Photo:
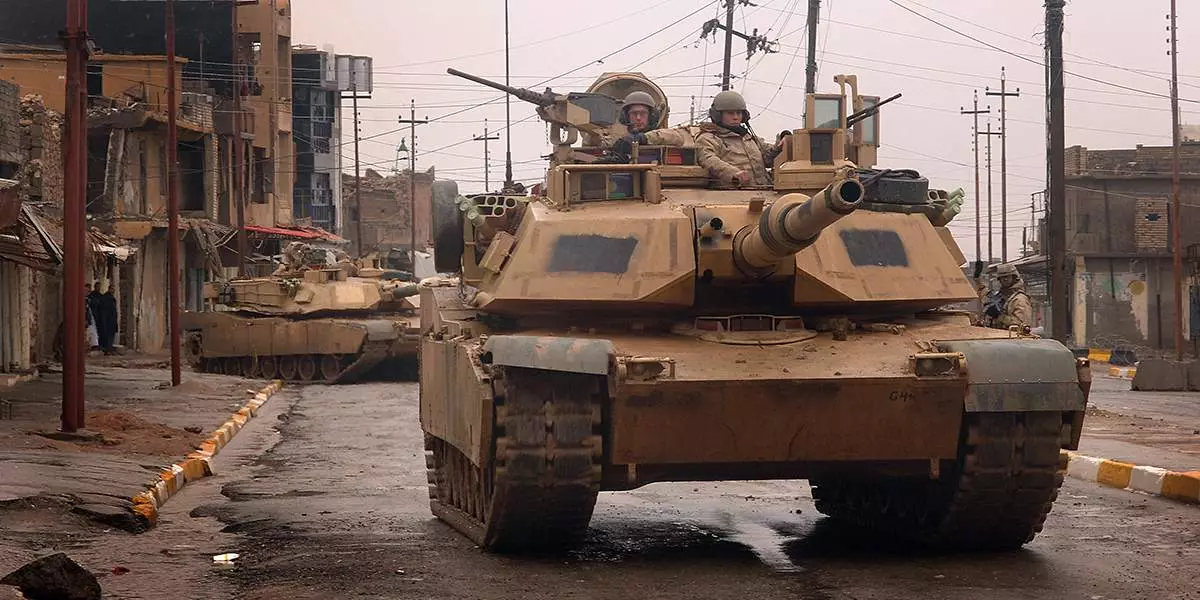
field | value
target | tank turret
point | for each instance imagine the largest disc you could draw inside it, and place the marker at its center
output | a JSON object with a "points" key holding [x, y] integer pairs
{"points": [[318, 317], [792, 223]]}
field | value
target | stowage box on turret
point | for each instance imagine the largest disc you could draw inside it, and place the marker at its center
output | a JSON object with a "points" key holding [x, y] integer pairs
{"points": [[635, 323], [310, 321]]}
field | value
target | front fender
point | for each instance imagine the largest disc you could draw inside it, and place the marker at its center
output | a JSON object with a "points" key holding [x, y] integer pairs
{"points": [[571, 355]]}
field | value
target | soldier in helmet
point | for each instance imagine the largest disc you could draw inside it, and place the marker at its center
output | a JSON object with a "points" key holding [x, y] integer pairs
{"points": [[1012, 305], [638, 113], [729, 149]]}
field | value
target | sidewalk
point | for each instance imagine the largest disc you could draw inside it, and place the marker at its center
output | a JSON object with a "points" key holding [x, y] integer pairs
{"points": [[1161, 429], [143, 425]]}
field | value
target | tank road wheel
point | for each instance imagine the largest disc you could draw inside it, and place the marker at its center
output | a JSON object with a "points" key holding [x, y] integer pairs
{"points": [[250, 367], [287, 367], [331, 367], [997, 497], [268, 367], [538, 492], [231, 365], [307, 367]]}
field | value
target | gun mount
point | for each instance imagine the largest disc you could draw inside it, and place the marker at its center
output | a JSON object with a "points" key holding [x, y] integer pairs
{"points": [[792, 224], [568, 114]]}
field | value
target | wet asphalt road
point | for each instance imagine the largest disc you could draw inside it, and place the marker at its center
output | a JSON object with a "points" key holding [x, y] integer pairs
{"points": [[324, 496]]}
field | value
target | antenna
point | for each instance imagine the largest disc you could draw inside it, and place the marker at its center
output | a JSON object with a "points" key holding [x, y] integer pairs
{"points": [[508, 180]]}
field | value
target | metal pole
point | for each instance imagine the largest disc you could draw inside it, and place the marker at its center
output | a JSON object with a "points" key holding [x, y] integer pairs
{"points": [[729, 4], [1177, 214], [357, 166], [1004, 94], [239, 147], [1056, 191], [814, 15], [508, 176], [173, 196], [74, 240]]}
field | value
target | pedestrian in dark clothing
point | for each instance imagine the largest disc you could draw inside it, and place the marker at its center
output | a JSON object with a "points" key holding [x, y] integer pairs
{"points": [[106, 320]]}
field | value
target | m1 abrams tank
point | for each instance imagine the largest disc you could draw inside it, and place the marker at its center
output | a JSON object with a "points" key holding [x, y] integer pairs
{"points": [[635, 323], [311, 321]]}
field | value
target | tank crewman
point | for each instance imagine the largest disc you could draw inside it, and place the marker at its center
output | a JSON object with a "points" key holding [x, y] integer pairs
{"points": [[640, 116], [1012, 305], [729, 149]]}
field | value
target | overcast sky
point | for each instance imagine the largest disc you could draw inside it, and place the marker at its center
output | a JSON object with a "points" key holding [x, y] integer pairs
{"points": [[890, 49]]}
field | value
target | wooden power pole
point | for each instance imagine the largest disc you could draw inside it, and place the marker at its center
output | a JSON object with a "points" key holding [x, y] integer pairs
{"points": [[1056, 190], [810, 73]]}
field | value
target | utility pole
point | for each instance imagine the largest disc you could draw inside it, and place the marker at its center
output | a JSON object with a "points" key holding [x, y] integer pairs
{"points": [[487, 185], [1177, 210], [173, 196], [508, 180], [810, 81], [357, 165], [74, 241], [991, 256], [239, 147], [754, 42], [1004, 95], [975, 112], [412, 177], [1056, 190]]}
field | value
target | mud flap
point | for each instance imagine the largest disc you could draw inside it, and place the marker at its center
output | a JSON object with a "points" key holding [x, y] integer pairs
{"points": [[1019, 375], [570, 355]]}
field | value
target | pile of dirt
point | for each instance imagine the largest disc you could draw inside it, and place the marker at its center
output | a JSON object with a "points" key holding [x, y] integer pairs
{"points": [[130, 433]]}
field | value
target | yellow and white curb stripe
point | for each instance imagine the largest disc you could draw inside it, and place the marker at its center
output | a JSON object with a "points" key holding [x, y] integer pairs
{"points": [[196, 464], [1122, 372], [1180, 486]]}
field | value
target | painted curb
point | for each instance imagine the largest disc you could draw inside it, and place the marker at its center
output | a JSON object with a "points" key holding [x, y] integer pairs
{"points": [[1182, 487], [196, 464], [1122, 372]]}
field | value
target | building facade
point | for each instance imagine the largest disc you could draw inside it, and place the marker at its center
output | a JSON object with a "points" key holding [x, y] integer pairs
{"points": [[386, 212], [1119, 215]]}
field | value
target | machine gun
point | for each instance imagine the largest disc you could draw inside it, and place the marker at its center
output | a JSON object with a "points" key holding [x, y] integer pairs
{"points": [[567, 114], [867, 112]]}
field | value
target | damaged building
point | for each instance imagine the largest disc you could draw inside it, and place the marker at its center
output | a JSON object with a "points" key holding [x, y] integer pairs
{"points": [[386, 212], [1119, 215]]}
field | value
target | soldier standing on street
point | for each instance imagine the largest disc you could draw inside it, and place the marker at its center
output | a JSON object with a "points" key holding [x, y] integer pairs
{"points": [[1012, 306]]}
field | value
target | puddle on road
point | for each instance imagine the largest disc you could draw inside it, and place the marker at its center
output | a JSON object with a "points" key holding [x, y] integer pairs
{"points": [[768, 543]]}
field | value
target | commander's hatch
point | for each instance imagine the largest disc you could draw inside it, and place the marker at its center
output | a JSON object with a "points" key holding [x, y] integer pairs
{"points": [[621, 84]]}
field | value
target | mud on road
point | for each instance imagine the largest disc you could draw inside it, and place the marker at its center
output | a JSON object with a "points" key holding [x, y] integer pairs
{"points": [[325, 497]]}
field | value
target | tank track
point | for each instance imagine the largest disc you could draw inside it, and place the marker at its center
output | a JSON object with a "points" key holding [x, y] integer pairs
{"points": [[329, 369], [1006, 480], [538, 492]]}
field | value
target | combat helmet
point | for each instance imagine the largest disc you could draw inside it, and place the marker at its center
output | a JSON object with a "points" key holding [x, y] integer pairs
{"points": [[728, 100], [643, 98]]}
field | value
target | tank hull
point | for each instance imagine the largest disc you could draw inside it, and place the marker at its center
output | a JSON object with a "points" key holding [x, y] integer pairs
{"points": [[898, 412], [318, 350]]}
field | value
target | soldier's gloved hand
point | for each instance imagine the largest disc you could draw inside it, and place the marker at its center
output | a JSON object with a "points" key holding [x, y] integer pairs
{"points": [[624, 146]]}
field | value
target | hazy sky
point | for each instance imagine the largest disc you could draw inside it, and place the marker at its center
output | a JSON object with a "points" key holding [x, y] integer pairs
{"points": [[890, 49]]}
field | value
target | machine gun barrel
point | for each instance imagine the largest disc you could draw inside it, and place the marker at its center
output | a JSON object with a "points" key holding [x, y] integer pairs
{"points": [[867, 112], [792, 224], [539, 98]]}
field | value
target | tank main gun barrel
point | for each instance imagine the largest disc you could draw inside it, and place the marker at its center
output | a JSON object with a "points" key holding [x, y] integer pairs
{"points": [[546, 98], [792, 224]]}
